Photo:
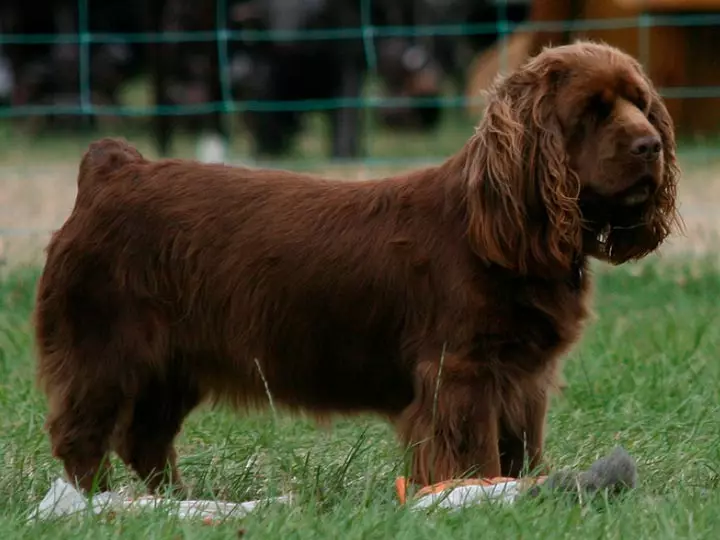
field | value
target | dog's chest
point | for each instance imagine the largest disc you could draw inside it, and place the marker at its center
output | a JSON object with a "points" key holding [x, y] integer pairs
{"points": [[531, 320]]}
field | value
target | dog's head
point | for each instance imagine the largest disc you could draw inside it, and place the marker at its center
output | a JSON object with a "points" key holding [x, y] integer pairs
{"points": [[575, 156]]}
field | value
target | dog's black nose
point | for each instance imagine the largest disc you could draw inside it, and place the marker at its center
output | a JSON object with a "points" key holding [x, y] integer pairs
{"points": [[647, 148]]}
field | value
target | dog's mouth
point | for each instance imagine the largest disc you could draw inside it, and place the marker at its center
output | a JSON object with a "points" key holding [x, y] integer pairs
{"points": [[639, 192], [625, 210]]}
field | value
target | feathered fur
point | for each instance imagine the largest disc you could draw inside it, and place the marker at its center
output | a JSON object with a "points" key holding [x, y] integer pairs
{"points": [[442, 299]]}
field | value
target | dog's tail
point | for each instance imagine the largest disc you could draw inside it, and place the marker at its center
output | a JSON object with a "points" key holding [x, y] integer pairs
{"points": [[102, 161]]}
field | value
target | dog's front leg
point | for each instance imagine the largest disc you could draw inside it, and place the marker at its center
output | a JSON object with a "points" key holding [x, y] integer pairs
{"points": [[452, 425], [522, 437]]}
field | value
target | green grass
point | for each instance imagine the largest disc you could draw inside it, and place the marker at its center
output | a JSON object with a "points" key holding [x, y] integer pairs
{"points": [[646, 376]]}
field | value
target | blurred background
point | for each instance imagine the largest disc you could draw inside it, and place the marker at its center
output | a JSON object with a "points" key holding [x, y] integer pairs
{"points": [[349, 88]]}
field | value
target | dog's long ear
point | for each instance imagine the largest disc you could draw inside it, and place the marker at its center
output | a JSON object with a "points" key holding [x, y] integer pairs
{"points": [[522, 196], [626, 240]]}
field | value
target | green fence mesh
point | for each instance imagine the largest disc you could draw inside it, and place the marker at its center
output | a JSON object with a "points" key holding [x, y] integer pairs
{"points": [[367, 32]]}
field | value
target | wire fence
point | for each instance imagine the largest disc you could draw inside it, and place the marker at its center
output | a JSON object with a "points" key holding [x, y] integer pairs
{"points": [[367, 32], [381, 146]]}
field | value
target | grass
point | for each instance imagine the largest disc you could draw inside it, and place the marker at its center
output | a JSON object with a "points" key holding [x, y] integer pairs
{"points": [[645, 376]]}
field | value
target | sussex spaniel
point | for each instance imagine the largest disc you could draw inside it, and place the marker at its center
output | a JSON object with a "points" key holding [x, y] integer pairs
{"points": [[441, 299]]}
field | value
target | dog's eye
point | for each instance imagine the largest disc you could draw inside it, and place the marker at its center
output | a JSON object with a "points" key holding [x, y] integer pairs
{"points": [[599, 106], [640, 98]]}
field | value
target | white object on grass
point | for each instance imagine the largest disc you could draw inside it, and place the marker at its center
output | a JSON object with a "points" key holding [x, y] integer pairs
{"points": [[63, 499], [462, 496]]}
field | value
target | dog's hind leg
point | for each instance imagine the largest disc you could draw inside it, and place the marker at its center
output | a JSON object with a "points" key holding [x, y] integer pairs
{"points": [[146, 445], [95, 352], [83, 414]]}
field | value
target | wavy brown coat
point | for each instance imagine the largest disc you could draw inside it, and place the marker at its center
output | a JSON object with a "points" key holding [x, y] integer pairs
{"points": [[442, 299]]}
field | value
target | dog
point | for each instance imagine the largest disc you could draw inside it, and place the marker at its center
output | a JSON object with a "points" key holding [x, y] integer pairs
{"points": [[442, 299]]}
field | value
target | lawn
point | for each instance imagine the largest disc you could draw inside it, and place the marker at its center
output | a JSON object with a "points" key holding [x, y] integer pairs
{"points": [[645, 376]]}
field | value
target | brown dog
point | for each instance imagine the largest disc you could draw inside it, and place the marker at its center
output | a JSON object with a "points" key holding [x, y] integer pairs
{"points": [[441, 299]]}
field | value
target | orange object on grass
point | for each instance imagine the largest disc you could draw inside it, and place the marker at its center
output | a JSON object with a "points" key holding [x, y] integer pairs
{"points": [[401, 485]]}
